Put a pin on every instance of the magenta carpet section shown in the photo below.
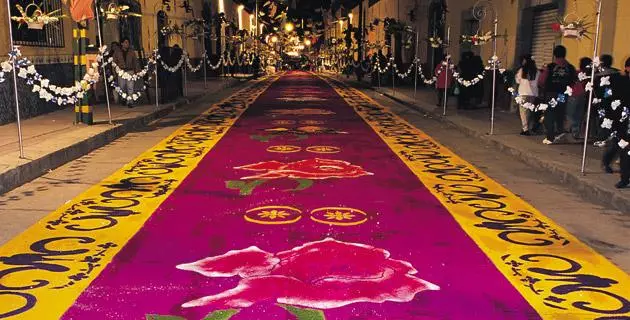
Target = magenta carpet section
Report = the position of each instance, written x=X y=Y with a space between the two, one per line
x=247 y=230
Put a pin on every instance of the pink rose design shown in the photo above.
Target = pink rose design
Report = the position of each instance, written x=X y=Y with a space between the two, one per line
x=305 y=169
x=322 y=275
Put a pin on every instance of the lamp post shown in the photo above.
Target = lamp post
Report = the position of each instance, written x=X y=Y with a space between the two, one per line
x=480 y=12
x=592 y=80
x=15 y=89
x=100 y=45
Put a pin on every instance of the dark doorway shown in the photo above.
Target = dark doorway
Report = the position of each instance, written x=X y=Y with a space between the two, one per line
x=162 y=21
x=437 y=15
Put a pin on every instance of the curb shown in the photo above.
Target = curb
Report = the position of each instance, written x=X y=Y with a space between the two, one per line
x=571 y=179
x=27 y=172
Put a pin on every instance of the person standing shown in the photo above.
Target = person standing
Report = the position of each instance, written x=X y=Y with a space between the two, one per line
x=527 y=79
x=611 y=93
x=577 y=101
x=554 y=80
x=444 y=79
x=465 y=72
x=126 y=59
x=624 y=134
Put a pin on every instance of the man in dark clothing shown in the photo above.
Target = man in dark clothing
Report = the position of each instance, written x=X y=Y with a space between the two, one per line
x=554 y=80
x=127 y=61
x=617 y=110
x=608 y=92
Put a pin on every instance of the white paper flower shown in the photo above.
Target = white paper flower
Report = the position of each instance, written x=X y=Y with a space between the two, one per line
x=597 y=101
x=582 y=76
x=36 y=88
x=23 y=73
x=6 y=66
x=31 y=69
x=589 y=86
x=615 y=104
x=605 y=81
x=553 y=103
x=569 y=91
x=543 y=107
x=623 y=144
x=529 y=106
x=607 y=123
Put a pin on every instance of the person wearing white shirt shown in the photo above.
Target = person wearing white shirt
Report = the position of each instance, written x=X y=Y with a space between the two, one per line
x=527 y=80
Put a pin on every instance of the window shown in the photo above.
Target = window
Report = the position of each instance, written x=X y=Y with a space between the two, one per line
x=50 y=36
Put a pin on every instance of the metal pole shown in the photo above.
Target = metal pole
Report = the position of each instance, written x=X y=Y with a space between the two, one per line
x=592 y=81
x=393 y=77
x=494 y=73
x=415 y=64
x=203 y=44
x=446 y=68
x=15 y=89
x=186 y=59
x=100 y=44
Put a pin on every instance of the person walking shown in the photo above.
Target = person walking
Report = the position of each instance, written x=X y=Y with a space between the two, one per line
x=527 y=80
x=554 y=80
x=126 y=59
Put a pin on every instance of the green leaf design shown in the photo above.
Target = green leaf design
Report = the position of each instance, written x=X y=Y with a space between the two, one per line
x=303 y=184
x=158 y=317
x=221 y=314
x=301 y=136
x=261 y=138
x=245 y=188
x=304 y=314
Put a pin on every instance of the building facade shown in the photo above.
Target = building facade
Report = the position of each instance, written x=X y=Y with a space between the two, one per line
x=524 y=26
x=51 y=49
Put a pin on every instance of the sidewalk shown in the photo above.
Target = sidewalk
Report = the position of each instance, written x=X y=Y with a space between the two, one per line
x=562 y=161
x=51 y=140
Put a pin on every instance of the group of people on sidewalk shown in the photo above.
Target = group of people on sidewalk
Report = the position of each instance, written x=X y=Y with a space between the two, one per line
x=553 y=101
x=565 y=93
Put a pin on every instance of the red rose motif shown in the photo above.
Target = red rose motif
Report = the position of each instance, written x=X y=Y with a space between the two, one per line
x=323 y=275
x=305 y=169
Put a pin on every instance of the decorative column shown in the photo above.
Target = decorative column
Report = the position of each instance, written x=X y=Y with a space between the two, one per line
x=82 y=110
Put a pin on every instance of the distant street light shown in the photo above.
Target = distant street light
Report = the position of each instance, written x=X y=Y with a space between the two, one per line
x=307 y=42
x=274 y=39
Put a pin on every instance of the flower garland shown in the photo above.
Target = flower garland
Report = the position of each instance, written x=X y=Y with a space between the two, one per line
x=190 y=66
x=128 y=97
x=476 y=39
x=177 y=65
x=52 y=93
x=130 y=76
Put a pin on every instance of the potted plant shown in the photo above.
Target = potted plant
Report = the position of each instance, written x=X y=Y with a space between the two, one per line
x=38 y=19
x=576 y=28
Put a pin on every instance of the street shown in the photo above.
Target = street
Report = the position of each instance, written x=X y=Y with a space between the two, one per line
x=299 y=197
